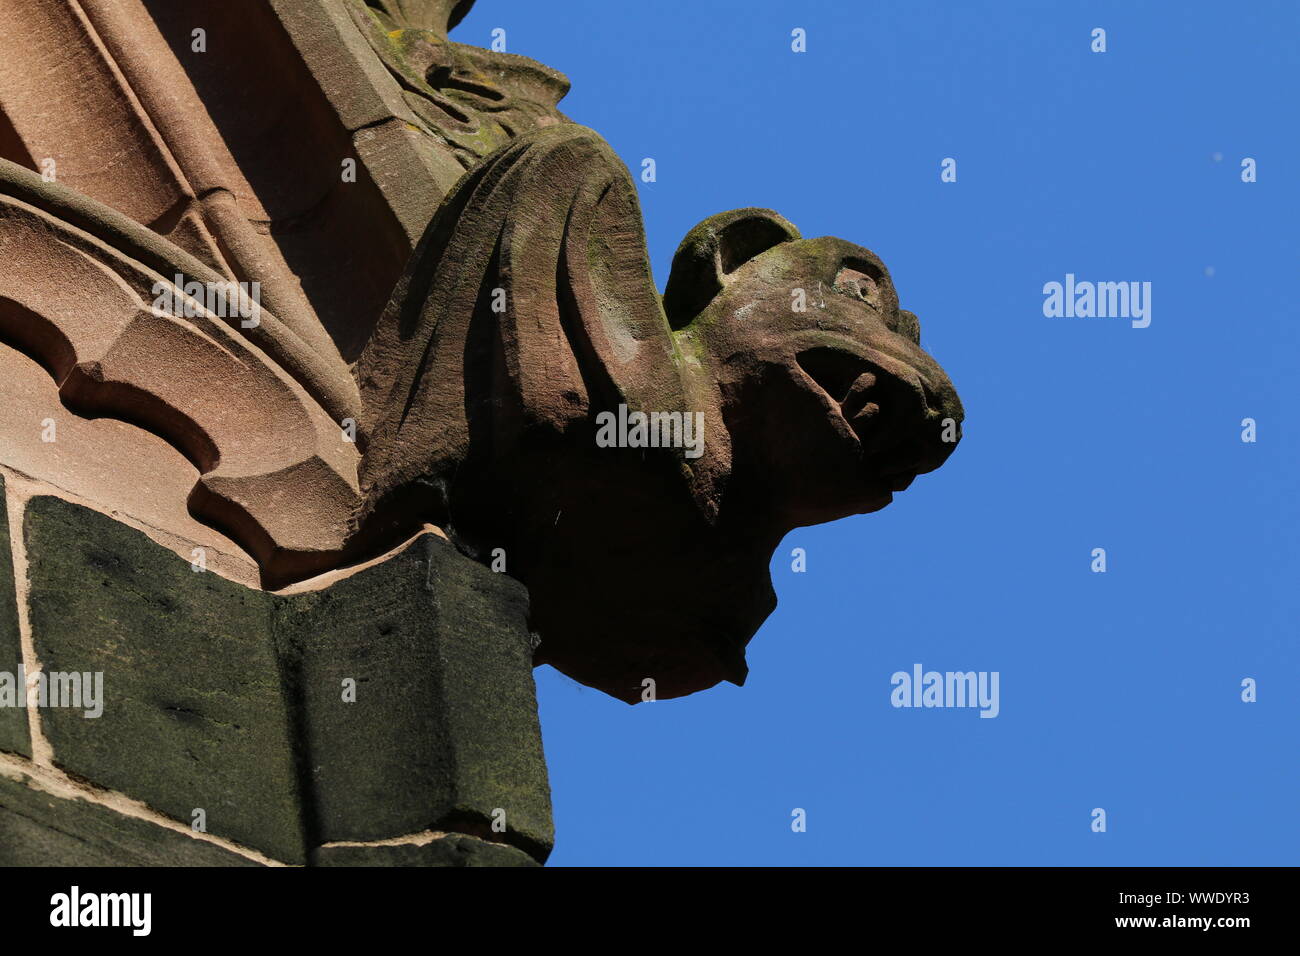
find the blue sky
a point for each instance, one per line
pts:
(1118, 690)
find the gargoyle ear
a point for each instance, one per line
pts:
(719, 245)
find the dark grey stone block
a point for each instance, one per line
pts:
(38, 829)
(444, 730)
(230, 699)
(194, 713)
(14, 736)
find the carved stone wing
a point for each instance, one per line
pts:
(528, 305)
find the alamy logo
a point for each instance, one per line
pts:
(948, 689)
(655, 430)
(1102, 300)
(77, 690)
(75, 908)
(227, 300)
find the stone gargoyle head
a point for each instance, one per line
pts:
(635, 459)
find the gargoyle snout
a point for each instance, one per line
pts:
(927, 428)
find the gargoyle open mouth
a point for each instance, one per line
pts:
(886, 414)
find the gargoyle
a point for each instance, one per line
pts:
(779, 381)
(529, 310)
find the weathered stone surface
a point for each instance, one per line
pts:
(396, 153)
(14, 734)
(451, 850)
(197, 379)
(444, 727)
(38, 829)
(471, 101)
(121, 467)
(231, 699)
(194, 714)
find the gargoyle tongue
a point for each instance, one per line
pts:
(858, 408)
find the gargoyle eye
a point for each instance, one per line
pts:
(864, 284)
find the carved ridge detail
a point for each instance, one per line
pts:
(276, 471)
